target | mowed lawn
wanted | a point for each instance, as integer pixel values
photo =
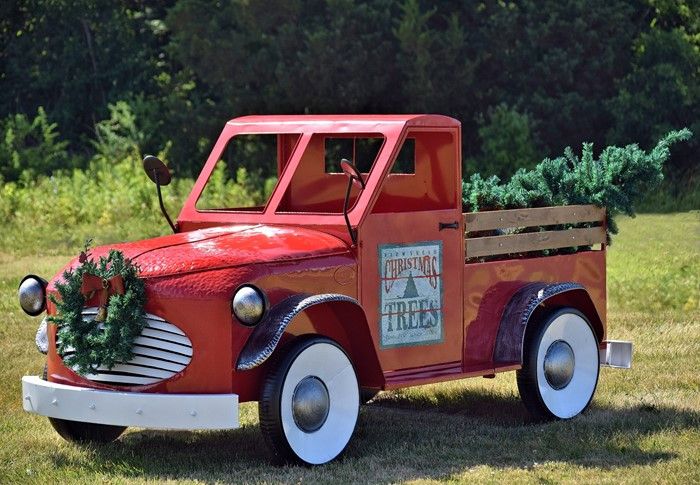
(643, 425)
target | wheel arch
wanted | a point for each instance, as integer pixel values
(338, 317)
(529, 304)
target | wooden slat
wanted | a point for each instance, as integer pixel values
(533, 241)
(540, 216)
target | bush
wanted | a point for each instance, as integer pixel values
(30, 147)
(118, 137)
(109, 202)
(506, 143)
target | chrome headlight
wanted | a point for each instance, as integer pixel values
(248, 305)
(32, 295)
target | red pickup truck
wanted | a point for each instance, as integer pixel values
(359, 273)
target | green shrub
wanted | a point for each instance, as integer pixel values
(118, 137)
(110, 202)
(30, 147)
(507, 143)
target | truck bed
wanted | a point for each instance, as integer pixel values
(505, 248)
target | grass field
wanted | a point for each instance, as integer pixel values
(643, 425)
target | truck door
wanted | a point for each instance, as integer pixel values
(411, 259)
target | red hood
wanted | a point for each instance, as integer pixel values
(223, 247)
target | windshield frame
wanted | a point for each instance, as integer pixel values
(391, 131)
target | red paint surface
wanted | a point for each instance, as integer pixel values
(489, 287)
(191, 276)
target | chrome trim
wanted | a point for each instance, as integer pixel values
(42, 337)
(248, 305)
(616, 354)
(159, 353)
(32, 295)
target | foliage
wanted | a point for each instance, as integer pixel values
(222, 191)
(662, 88)
(97, 344)
(74, 57)
(30, 147)
(118, 137)
(609, 71)
(616, 180)
(110, 201)
(507, 143)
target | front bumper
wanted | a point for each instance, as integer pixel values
(144, 410)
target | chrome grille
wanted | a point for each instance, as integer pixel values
(161, 351)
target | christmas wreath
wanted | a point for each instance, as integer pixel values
(106, 339)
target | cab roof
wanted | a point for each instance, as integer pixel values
(360, 122)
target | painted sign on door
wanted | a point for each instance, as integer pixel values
(410, 293)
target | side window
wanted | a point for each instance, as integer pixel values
(318, 184)
(424, 175)
(361, 151)
(406, 159)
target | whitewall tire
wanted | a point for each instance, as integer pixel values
(310, 402)
(560, 366)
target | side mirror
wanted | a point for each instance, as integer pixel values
(160, 175)
(156, 170)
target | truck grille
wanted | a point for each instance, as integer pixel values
(161, 351)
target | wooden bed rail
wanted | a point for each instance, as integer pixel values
(479, 245)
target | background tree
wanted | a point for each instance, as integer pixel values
(525, 78)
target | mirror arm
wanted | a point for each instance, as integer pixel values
(353, 233)
(162, 206)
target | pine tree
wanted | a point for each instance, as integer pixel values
(616, 180)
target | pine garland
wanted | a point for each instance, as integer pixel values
(616, 181)
(97, 344)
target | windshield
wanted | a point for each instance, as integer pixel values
(246, 174)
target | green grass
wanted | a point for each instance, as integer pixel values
(643, 426)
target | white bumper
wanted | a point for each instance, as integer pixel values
(160, 411)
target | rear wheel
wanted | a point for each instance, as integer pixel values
(560, 366)
(309, 403)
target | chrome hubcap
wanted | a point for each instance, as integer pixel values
(310, 404)
(559, 364)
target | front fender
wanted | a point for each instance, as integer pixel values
(530, 299)
(267, 334)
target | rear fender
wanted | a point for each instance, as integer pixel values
(336, 316)
(528, 303)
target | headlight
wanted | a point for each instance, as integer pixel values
(248, 305)
(32, 295)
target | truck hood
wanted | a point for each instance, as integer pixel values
(223, 247)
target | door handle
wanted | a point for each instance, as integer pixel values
(448, 225)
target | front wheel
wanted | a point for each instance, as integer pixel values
(310, 402)
(80, 432)
(560, 366)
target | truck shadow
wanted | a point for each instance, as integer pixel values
(400, 438)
